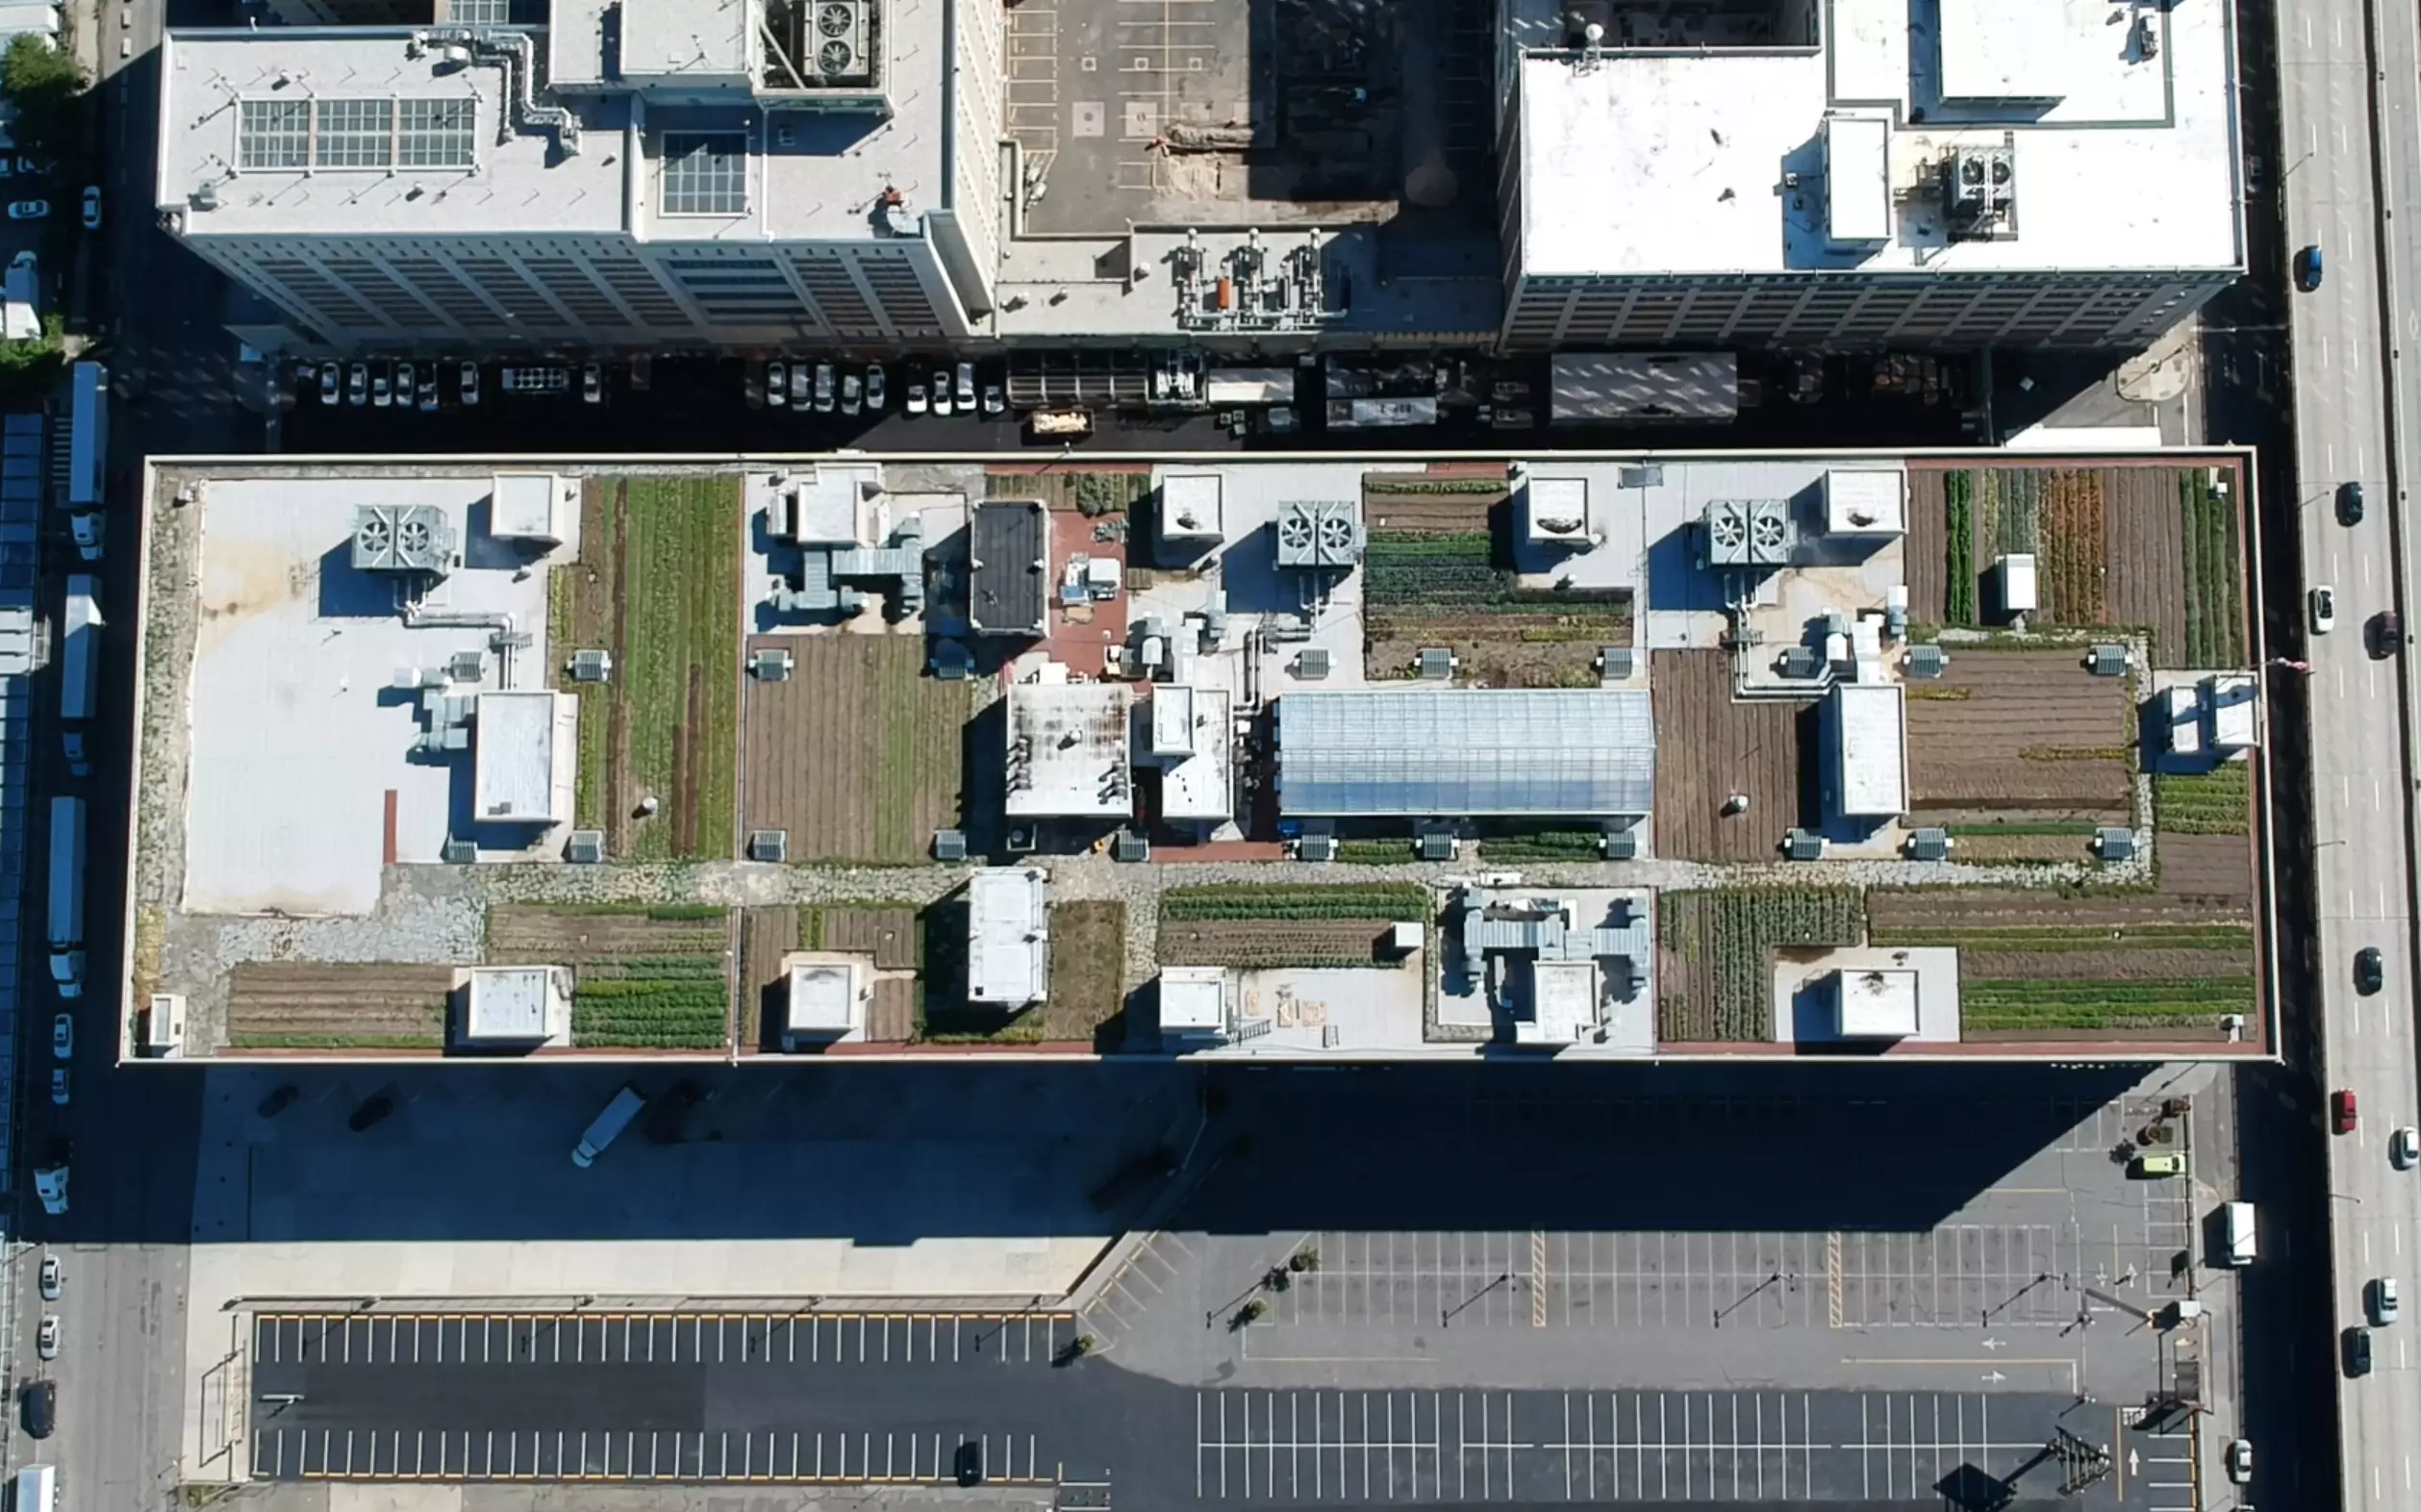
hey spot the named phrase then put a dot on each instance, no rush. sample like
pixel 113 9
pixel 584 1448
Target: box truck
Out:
pixel 66 896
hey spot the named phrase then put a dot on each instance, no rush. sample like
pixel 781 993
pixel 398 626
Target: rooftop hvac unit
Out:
pixel 769 844
pixel 1131 847
pixel 1930 845
pixel 1747 533
pixel 2113 843
pixel 1649 475
pixel 1316 847
pixel 1980 192
pixel 1324 534
pixel 773 664
pixel 950 844
pixel 459 852
pixel 1926 661
pixel 839 43
pixel 1434 847
pixel 591 667
pixel 463 667
pixel 1801 661
pixel 401 538
pixel 1614 662
pixel 1621 845
pixel 1801 846
pixel 1311 662
pixel 1434 665
pixel 2107 661
pixel 585 847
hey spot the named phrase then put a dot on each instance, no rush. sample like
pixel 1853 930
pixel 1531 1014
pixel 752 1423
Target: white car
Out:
pixel 852 393
pixel 471 383
pixel 50 1278
pixel 2240 1461
pixel 996 402
pixel 62 1037
pixel 2323 609
pixel 405 379
pixel 29 209
pixel 777 384
pixel 58 1086
pixel 941 390
pixel 967 387
pixel 2404 1147
pixel 825 395
pixel 357 384
pixel 917 403
pixel 46 1338
pixel 331 383
pixel 382 389
pixel 593 384
pixel 92 206
pixel 875 396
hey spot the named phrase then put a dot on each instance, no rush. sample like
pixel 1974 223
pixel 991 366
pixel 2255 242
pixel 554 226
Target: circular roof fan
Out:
pixel 1294 532
pixel 835 56
pixel 1768 529
pixel 377 533
pixel 1336 536
pixel 835 19
pixel 413 536
pixel 1726 530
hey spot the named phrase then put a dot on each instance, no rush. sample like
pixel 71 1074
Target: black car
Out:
pixel 2370 975
pixel 2308 269
pixel 38 1405
pixel 968 1464
pixel 2388 634
pixel 374 1108
pixel 2350 503
pixel 2357 1351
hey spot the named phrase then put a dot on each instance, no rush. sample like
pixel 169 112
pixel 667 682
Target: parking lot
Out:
pixel 364 1338
pixel 1790 1447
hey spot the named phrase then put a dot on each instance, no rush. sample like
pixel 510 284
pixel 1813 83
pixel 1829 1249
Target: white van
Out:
pixel 609 1125
pixel 37 1488
pixel 2237 1234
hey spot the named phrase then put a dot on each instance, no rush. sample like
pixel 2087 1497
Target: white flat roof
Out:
pixel 523 506
pixel 1190 505
pixel 1877 1003
pixel 1673 163
pixel 1865 501
pixel 508 1003
pixel 1873 749
pixel 1995 50
pixel 514 757
pixel 1201 784
pixel 823 998
pixel 1067 749
pixel 1193 997
pixel 1857 178
pixel 1008 936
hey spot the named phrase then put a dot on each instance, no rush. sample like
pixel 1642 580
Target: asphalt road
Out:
pixel 2332 125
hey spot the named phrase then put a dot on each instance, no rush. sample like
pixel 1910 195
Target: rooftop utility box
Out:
pixel 2107 661
pixel 1557 511
pixel 526 754
pixel 163 1024
pixel 1928 661
pixel 824 1000
pixel 2113 843
pixel 1857 179
pixel 1865 501
pixel 1876 1004
pixel 1192 1000
pixel 1008 936
pixel 531 506
pixel 2016 573
pixel 514 1005
pixel 1190 509
pixel 585 847
pixel 1316 847
pixel 1009 568
pixel 1929 843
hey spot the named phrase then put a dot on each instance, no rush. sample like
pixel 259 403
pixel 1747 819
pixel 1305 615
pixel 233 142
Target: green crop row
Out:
pixel 2170 937
pixel 2215 802
pixel 1296 901
pixel 2214 619
pixel 1959 550
pixel 1545 844
pixel 2007 1004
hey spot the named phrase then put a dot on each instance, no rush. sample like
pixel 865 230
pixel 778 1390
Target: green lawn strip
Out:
pixel 1375 852
pixel 682 603
pixel 2061 827
pixel 2167 937
pixel 1547 845
pixel 2018 1004
pixel 1960 548
pixel 338 1042
pixel 1296 901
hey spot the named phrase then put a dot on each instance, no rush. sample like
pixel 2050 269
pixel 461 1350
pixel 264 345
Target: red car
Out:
pixel 2341 1109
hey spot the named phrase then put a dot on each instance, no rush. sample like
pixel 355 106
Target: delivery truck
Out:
pixel 66 894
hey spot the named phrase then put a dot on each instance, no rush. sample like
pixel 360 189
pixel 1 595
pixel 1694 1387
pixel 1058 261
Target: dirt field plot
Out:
pixel 2011 733
pixel 1715 954
pixel 891 1019
pixel 1259 943
pixel 766 936
pixel 651 978
pixel 1710 747
pixel 657 585
pixel 858 754
pixel 2155 548
pixel 1088 972
pixel 1423 590
pixel 2041 964
pixel 892 936
pixel 1432 505
pixel 302 1005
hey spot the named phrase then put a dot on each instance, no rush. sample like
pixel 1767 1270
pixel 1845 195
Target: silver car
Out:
pixel 46 1338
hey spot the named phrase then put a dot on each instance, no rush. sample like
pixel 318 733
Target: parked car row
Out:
pixel 826 387
pixel 410 385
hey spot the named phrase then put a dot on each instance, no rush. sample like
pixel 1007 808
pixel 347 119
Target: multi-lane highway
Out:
pixel 2352 187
